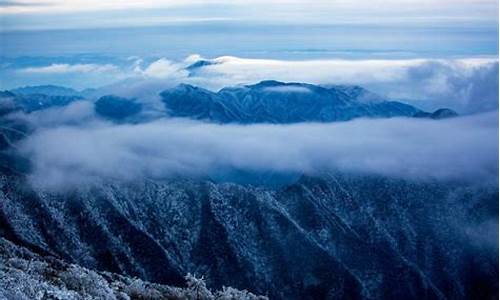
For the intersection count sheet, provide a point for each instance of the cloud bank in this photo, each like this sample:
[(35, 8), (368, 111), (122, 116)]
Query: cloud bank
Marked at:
[(71, 68), (463, 148), (155, 12)]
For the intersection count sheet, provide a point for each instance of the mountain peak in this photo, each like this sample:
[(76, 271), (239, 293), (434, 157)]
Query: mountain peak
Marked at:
[(6, 94), (267, 83), (49, 90), (117, 108), (442, 113), (200, 64)]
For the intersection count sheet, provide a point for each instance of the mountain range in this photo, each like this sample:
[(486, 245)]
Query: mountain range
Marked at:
[(264, 102), (328, 236), (278, 102), (334, 237)]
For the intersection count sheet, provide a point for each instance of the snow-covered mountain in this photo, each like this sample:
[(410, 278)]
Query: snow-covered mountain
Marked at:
[(278, 102), (265, 102), (34, 102), (334, 237), (331, 236), (49, 90), (26, 275)]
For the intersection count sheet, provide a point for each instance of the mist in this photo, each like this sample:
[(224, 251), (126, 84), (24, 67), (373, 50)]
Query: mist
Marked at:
[(464, 148)]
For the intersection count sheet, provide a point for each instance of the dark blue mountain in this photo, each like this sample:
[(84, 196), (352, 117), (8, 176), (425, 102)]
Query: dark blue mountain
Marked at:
[(7, 103), (49, 90), (7, 94), (200, 64), (265, 102), (117, 108), (10, 101), (439, 114), (278, 102), (34, 102)]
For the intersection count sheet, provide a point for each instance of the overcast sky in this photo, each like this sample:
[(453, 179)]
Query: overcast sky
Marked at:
[(37, 14), (135, 33)]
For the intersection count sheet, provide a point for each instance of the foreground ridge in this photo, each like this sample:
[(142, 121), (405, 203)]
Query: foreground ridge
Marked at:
[(26, 275)]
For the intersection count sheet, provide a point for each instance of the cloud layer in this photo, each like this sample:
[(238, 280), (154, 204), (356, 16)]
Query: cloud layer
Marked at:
[(71, 68), (153, 12), (462, 148)]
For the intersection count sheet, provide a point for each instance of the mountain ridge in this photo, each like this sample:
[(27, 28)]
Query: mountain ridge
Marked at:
[(268, 101), (277, 102), (380, 237)]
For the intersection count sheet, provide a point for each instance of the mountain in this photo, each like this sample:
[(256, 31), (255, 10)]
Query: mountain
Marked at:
[(47, 277), (12, 131), (358, 93), (7, 103), (6, 94), (442, 113), (49, 90), (264, 102), (194, 68), (332, 237), (34, 102), (34, 98), (10, 101), (117, 108), (278, 102)]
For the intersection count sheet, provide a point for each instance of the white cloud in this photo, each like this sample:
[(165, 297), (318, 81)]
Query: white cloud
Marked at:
[(193, 58), (343, 6), (463, 148), (78, 112), (38, 14), (163, 68), (40, 6), (244, 70), (71, 68), (50, 14)]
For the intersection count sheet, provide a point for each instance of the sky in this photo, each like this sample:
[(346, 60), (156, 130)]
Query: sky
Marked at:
[(380, 44), (433, 26), (38, 14)]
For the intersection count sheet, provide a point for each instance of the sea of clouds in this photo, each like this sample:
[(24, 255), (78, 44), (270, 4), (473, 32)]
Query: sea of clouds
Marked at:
[(72, 146)]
